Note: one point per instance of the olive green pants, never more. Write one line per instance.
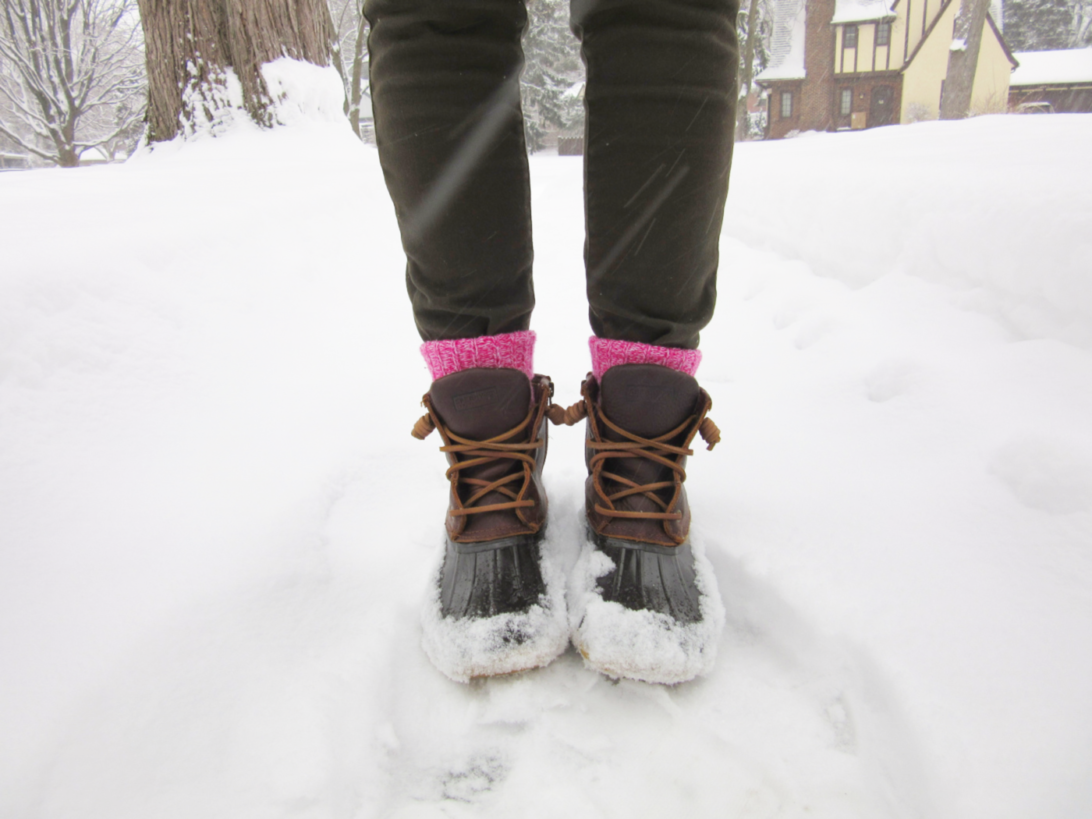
(660, 114)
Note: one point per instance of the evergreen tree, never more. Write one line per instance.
(1040, 25)
(552, 85)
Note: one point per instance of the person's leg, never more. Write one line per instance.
(660, 106)
(449, 128)
(445, 95)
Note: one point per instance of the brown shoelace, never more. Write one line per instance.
(480, 453)
(653, 449)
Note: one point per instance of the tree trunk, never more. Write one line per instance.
(746, 71)
(355, 89)
(190, 45)
(955, 102)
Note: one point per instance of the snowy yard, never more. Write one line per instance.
(208, 374)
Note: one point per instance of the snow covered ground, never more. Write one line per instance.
(210, 576)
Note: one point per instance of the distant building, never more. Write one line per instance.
(850, 64)
(10, 161)
(1052, 81)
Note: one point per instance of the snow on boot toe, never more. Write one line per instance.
(639, 643)
(488, 639)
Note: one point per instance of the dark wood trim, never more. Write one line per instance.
(834, 57)
(842, 50)
(924, 19)
(871, 75)
(1001, 39)
(924, 37)
(875, 48)
(906, 45)
(1083, 85)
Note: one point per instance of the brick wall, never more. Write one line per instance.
(817, 112)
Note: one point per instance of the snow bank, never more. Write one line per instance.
(972, 205)
(212, 567)
(302, 93)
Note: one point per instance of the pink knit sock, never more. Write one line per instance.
(607, 353)
(515, 350)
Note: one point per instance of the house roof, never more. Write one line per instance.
(862, 11)
(1053, 67)
(786, 43)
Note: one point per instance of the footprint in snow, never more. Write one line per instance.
(813, 331)
(479, 776)
(890, 379)
(1048, 473)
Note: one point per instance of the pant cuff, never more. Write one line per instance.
(511, 350)
(609, 352)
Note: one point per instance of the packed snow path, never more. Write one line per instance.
(216, 531)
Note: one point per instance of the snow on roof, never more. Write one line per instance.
(860, 11)
(1052, 67)
(787, 43)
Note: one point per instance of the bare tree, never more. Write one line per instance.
(955, 101)
(198, 49)
(755, 26)
(351, 42)
(73, 77)
(1082, 24)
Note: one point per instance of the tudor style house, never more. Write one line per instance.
(850, 64)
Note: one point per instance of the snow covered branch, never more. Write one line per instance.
(351, 58)
(72, 76)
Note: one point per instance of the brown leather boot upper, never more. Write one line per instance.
(641, 421)
(493, 425)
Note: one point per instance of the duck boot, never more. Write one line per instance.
(497, 607)
(650, 609)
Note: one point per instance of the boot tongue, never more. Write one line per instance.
(647, 399)
(481, 403)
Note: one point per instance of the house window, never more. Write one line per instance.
(849, 39)
(846, 105)
(786, 104)
(883, 34)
